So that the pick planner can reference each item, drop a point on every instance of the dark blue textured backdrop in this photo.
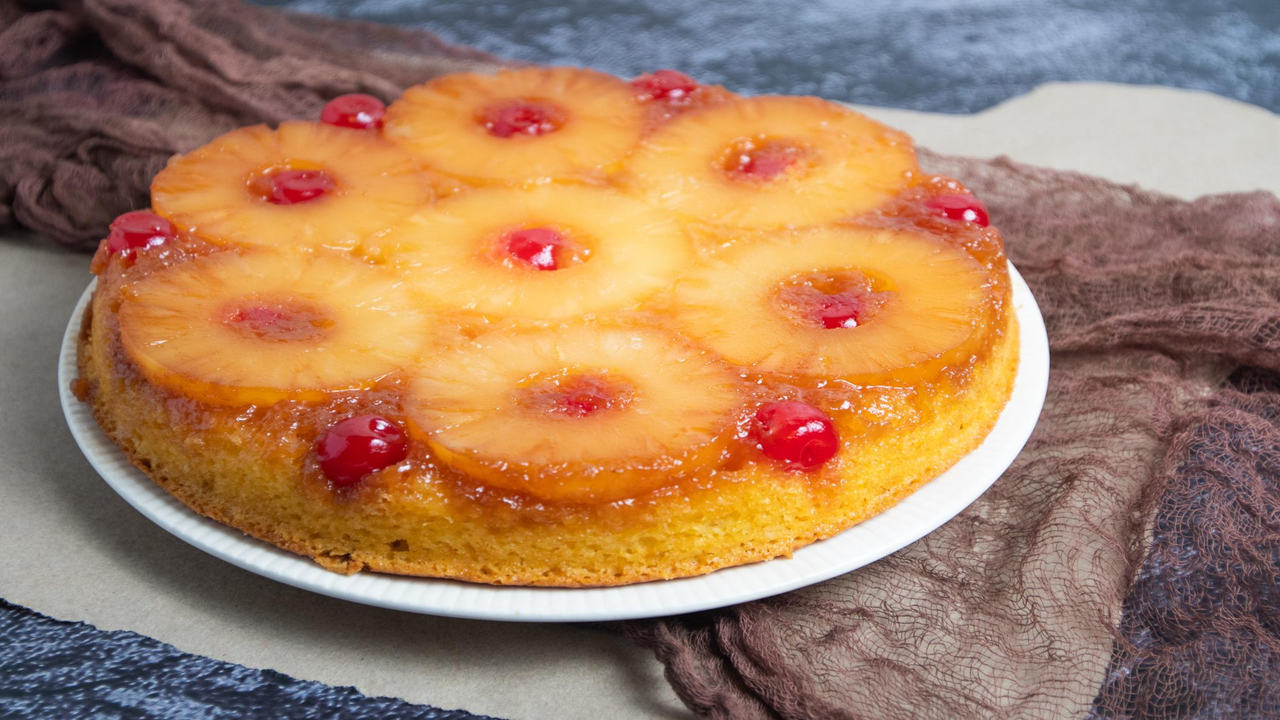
(939, 55)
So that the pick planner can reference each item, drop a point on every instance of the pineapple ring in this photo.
(634, 251)
(678, 412)
(207, 191)
(849, 163)
(441, 122)
(260, 327)
(936, 296)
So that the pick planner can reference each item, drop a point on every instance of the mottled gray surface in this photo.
(938, 55)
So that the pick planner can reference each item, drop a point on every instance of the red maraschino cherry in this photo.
(585, 396)
(356, 110)
(763, 162)
(964, 208)
(536, 247)
(671, 85)
(283, 322)
(521, 118)
(136, 230)
(358, 446)
(841, 310)
(796, 433)
(290, 187)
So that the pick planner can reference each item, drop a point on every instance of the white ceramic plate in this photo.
(913, 518)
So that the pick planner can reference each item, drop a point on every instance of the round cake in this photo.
(550, 327)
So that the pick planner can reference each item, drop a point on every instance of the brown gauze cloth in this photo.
(1127, 565)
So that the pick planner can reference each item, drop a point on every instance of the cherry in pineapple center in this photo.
(763, 159)
(541, 248)
(576, 394)
(521, 118)
(277, 319)
(290, 186)
(832, 300)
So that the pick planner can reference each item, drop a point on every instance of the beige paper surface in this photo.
(76, 551)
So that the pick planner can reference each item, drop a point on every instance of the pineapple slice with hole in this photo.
(545, 253)
(773, 161)
(345, 187)
(577, 414)
(861, 305)
(259, 327)
(533, 124)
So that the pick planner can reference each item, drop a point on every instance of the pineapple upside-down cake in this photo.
(549, 327)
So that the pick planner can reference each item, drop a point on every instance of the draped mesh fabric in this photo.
(96, 95)
(1127, 565)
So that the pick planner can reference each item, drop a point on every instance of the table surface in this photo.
(109, 566)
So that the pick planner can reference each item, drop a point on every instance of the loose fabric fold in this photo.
(98, 94)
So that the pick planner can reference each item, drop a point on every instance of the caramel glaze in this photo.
(863, 412)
